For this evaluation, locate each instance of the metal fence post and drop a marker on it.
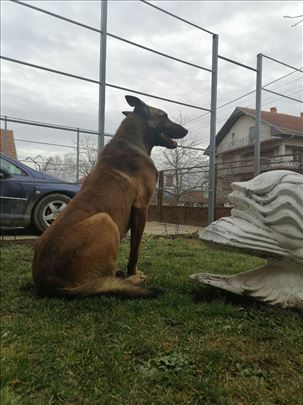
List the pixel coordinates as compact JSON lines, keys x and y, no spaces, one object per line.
{"x":5,"y":137}
{"x":160,"y":195}
{"x":102,"y":75}
{"x":212,"y":140}
{"x":258,"y":114}
{"x":78,"y":155}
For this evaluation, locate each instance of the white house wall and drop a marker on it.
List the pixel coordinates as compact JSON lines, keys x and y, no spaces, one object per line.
{"x":241,"y":131}
{"x":288,"y":146}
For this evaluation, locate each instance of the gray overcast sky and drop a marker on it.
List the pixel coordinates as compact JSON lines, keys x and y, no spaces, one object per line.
{"x":246,"y":28}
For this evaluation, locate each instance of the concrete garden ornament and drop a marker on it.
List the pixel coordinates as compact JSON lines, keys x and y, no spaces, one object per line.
{"x":267,"y":220}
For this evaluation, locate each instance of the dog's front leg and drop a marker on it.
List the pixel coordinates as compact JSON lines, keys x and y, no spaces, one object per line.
{"x":137,"y":224}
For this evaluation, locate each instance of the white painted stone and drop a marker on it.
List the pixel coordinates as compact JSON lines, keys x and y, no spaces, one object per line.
{"x":267,"y":219}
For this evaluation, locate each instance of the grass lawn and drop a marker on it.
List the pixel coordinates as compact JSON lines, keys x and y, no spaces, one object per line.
{"x":193,"y":345}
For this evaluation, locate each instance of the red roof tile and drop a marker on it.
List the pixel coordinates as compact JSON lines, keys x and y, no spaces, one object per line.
{"x":284,"y":122}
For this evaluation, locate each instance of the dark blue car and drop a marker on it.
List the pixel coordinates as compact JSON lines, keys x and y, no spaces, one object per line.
{"x":28,"y":197}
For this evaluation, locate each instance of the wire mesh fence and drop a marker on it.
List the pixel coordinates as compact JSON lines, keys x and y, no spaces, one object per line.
{"x":184,"y":186}
{"x":243,"y":170}
{"x":181,"y":196}
{"x":191,"y":187}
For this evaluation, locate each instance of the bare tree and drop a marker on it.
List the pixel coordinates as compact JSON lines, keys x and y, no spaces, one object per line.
{"x":184,"y":166}
{"x":88,"y":154}
{"x":40,"y":162}
{"x":63,"y":167}
{"x":295,"y":17}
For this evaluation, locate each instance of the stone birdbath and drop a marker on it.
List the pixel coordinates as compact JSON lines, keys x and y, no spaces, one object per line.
{"x":267,"y":220}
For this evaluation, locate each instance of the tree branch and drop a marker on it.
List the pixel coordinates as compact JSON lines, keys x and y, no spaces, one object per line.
{"x":294,"y":16}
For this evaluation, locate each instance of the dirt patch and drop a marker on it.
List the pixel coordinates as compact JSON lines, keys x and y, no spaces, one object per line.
{"x":163,"y":229}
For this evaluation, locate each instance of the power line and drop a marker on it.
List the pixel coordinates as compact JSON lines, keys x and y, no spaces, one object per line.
{"x":268,"y":102}
{"x":205,"y":138}
{"x":238,"y":98}
{"x":290,"y":89}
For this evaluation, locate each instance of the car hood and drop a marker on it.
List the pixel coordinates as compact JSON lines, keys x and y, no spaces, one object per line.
{"x":51,"y":179}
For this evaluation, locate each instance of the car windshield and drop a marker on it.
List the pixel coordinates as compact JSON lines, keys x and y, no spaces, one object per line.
{"x":10,"y":167}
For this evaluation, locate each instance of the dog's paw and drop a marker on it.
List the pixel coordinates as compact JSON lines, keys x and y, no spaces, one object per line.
{"x":138,"y":279}
{"x":140,"y":274}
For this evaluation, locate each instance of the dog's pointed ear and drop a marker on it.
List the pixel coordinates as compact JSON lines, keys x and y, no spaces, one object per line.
{"x":134,"y":101}
{"x":140,"y":107}
{"x":126,"y":113}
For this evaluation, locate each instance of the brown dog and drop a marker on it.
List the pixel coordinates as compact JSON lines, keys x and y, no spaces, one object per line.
{"x":77,"y":254}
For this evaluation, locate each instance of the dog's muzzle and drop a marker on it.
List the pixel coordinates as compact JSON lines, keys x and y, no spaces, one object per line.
{"x":164,"y":140}
{"x":174,"y":131}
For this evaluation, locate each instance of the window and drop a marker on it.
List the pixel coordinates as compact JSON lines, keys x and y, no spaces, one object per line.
{"x":298,"y":155}
{"x":233,"y":138}
{"x":10,"y":168}
{"x":251,"y":135}
{"x":169,"y":180}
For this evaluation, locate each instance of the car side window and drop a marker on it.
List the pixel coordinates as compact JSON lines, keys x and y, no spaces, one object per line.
{"x":11,"y":168}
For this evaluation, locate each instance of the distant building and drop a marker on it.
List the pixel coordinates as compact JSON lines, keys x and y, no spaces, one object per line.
{"x":7,"y":143}
{"x":281,"y":136}
{"x":193,"y":199}
{"x":281,"y":147}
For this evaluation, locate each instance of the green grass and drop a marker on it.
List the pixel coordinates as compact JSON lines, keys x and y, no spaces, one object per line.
{"x":194,"y":345}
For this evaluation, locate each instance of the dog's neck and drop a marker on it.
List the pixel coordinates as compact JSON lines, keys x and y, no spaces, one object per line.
{"x":136,"y":133}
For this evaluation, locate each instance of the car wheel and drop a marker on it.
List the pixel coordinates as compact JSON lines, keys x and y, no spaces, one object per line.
{"x":47,"y":210}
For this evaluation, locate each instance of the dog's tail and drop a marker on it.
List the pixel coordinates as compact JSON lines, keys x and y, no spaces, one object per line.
{"x":112,"y":286}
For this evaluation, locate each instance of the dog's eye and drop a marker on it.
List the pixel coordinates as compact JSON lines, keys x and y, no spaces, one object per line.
{"x":164,"y":115}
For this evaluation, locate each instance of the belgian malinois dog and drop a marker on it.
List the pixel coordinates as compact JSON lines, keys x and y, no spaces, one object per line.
{"x":77,"y":254}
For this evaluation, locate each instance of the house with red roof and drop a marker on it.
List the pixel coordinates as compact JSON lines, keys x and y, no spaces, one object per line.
{"x":281,"y":146}
{"x":281,"y":136}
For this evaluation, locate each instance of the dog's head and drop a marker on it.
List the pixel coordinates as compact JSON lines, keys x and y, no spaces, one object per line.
{"x":163,"y":130}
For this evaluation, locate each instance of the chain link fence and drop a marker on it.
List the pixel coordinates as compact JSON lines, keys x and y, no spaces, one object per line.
{"x":243,"y":170}
{"x":181,"y":196}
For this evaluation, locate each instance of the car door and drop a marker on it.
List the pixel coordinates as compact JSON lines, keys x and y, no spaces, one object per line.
{"x":17,"y":189}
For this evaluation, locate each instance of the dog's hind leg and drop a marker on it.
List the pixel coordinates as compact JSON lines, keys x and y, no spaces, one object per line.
{"x":95,"y":245}
{"x":137,"y":224}
{"x":102,"y":239}
{"x":85,"y":251}
{"x":113,"y":286}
